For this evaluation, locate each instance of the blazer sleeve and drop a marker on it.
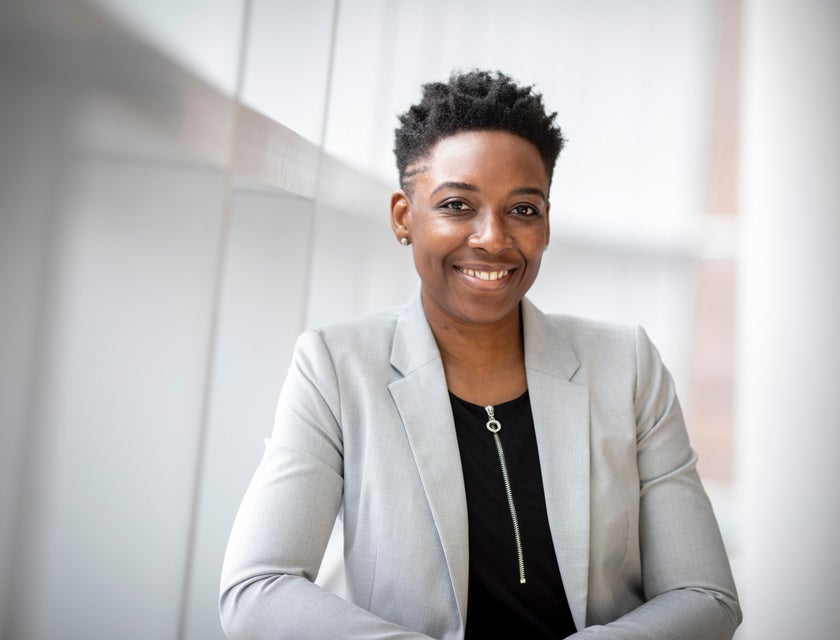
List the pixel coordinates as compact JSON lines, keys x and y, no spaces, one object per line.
{"x":286,"y":516}
{"x":688,"y":586}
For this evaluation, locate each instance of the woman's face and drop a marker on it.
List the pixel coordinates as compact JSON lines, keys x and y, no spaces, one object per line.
{"x":477,"y":219}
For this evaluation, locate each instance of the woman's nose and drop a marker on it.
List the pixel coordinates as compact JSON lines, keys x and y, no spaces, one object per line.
{"x":491,"y":233}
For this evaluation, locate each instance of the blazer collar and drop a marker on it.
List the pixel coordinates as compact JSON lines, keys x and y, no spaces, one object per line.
{"x":414,"y":344}
{"x":422,"y":400}
{"x":547,"y":348}
{"x":561,"y":421}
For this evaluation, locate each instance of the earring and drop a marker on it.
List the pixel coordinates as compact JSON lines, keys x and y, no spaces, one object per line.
{"x":404,"y":241}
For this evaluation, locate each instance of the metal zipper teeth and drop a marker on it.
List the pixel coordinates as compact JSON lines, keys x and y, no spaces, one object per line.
{"x":494,"y":426}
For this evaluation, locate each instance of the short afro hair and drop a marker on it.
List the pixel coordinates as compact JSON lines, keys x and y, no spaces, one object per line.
{"x":475,"y":101}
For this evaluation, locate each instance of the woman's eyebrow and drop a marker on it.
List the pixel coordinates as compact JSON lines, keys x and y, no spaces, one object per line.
{"x":529,"y":191}
{"x":464,"y":186}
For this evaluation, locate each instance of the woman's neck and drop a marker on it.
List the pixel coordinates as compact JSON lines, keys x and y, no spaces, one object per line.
{"x":484,"y":364}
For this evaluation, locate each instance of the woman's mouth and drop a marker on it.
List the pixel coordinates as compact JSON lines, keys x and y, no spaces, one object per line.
{"x":485,"y":275}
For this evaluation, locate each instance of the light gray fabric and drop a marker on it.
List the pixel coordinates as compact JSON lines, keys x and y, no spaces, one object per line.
{"x":364,"y":420}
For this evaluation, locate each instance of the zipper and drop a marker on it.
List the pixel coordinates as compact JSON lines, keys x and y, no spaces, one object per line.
{"x":494,"y":426}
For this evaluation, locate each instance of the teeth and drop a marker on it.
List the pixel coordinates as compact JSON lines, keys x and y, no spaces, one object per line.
{"x":486,"y":275}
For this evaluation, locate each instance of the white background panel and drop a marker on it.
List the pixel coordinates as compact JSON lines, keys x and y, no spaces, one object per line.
{"x":120,"y":400}
{"x":260,"y":316}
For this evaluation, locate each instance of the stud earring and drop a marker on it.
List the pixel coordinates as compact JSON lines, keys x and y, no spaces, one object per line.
{"x":404,"y":241}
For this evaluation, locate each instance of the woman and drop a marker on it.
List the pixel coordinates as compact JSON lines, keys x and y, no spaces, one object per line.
{"x":502,"y":473}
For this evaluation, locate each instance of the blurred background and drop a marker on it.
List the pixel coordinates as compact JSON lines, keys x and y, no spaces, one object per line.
{"x":186,"y":185}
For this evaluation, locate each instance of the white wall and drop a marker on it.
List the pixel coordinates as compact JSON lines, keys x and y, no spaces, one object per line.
{"x":789,"y":314}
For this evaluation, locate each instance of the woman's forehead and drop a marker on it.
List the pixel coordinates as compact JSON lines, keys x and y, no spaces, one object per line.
{"x":478,"y":157}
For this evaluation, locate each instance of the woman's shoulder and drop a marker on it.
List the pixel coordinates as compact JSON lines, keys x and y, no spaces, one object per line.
{"x":595,"y":345}
{"x":604,"y":348}
{"x":377,"y":322}
{"x":581,"y":328}
{"x":581,"y":333}
{"x":366,"y":336}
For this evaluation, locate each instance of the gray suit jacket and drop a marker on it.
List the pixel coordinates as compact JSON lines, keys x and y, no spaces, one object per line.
{"x":364,"y":422}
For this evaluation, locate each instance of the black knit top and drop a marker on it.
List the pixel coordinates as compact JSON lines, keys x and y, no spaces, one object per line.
{"x":499,"y":604}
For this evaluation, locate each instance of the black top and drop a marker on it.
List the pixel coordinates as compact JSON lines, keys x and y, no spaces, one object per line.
{"x":498,"y":604}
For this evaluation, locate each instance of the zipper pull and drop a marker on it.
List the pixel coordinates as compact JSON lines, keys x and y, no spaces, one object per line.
{"x":493,"y":425}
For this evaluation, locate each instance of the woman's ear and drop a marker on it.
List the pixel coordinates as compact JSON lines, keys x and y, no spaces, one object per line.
{"x":401,"y":216}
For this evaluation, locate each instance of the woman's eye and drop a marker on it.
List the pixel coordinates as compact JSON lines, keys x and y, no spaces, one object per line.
{"x":455,"y":205}
{"x":525,"y":210}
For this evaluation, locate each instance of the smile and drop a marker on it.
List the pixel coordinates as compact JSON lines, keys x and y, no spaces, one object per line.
{"x":486,"y":275}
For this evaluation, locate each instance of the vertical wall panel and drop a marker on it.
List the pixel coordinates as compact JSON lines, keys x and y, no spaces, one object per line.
{"x":120,"y":401}
{"x":359,"y":94}
{"x":27,"y":172}
{"x":285,"y":75}
{"x":788,"y":317}
{"x":260,"y":316}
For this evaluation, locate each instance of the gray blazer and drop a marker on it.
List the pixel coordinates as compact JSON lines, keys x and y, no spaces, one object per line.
{"x":364,"y":422}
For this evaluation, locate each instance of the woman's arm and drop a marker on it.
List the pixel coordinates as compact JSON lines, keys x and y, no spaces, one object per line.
{"x":688,"y":586}
{"x":285,"y":519}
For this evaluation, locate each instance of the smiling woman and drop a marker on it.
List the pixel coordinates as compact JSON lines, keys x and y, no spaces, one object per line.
{"x":478,"y":219}
{"x":499,"y":472}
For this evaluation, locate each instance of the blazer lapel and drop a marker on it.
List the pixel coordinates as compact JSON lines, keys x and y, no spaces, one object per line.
{"x":422,"y":399}
{"x":561,"y":421}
